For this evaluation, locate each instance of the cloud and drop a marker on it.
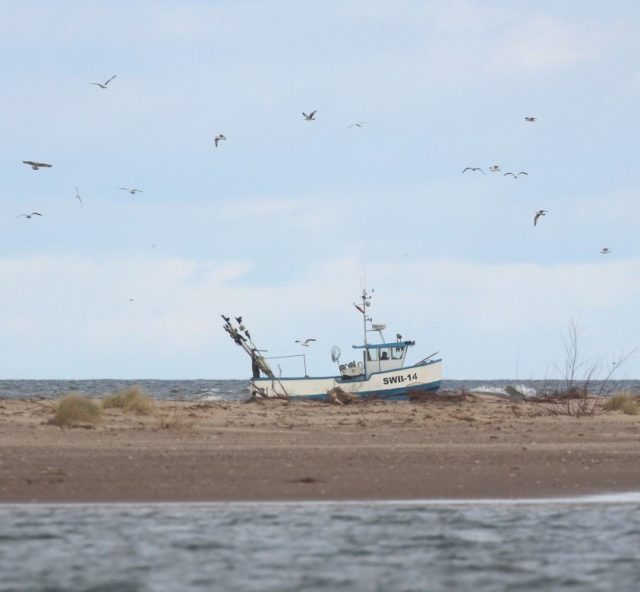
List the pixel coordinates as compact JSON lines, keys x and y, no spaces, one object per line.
{"x":543,"y":43}
{"x":76,"y":318}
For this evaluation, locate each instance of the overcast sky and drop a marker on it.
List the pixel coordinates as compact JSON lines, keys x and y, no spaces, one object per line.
{"x":284,"y":221}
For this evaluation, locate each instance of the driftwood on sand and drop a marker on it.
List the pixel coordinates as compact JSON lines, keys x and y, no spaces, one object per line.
{"x":338,"y":396}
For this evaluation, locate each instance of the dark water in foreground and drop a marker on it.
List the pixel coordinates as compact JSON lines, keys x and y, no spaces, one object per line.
{"x":234,"y":390}
{"x":588,"y":545}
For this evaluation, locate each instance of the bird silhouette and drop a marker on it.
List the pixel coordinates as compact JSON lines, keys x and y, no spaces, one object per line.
{"x":226,"y":319}
{"x":31,"y":215}
{"x":131,"y":191}
{"x":357,"y":124}
{"x":537,"y":215}
{"x":219,"y":138}
{"x":239,"y":319}
{"x":605,"y":251}
{"x":472,"y":169}
{"x":37,"y":165}
{"x":531,"y":119}
{"x":306,"y":342}
{"x":103,"y":85}
{"x":78,"y":197}
{"x":494,"y":168}
{"x":516,"y":175}
{"x":311,"y":116}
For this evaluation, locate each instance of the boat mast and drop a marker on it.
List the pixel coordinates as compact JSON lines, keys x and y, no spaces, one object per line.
{"x":366,"y":302}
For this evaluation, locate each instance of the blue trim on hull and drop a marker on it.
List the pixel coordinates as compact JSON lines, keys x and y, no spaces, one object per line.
{"x":396,"y":394}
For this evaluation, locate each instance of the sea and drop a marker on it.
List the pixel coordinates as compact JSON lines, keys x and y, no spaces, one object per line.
{"x":238,"y":390}
{"x":581,"y":544}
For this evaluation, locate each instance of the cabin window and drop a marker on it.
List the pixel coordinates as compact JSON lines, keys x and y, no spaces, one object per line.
{"x":384,"y":354}
{"x":372,"y":355}
{"x":397,"y":353}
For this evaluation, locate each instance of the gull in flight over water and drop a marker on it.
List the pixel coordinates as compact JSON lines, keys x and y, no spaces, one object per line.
{"x":31,"y":215}
{"x":531,"y":119}
{"x":605,"y":251}
{"x":219,"y":138}
{"x":131,"y":191}
{"x":103,"y":85}
{"x":537,"y":215}
{"x":78,"y":197}
{"x":357,"y":124}
{"x":516,"y":175}
{"x":306,"y":342}
{"x":494,"y":168}
{"x":311,"y":116}
{"x":472,"y":169}
{"x":37,"y":165}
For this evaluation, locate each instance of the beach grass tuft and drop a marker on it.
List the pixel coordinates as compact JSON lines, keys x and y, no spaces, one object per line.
{"x":622,"y":401}
{"x":76,"y":408}
{"x":175,"y":420}
{"x":131,"y":400}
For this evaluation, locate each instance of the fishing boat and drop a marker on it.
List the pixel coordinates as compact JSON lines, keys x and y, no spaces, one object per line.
{"x":379,"y":373}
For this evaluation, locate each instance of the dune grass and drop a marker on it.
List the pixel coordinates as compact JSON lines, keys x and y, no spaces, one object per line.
{"x":131,"y":400}
{"x":175,"y":419}
{"x":623,"y":401}
{"x":76,"y":408}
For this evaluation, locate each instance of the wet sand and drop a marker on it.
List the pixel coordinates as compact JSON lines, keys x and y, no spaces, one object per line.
{"x":482,"y":447}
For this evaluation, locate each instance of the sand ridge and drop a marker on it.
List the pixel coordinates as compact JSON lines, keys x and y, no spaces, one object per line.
{"x":479,"y":447}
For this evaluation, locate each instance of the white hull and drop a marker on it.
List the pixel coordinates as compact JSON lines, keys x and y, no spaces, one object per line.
{"x":398,"y":383}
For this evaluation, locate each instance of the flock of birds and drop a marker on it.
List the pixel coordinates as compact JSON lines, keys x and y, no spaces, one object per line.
{"x":496,"y":168}
{"x":311,"y":116}
{"x":36,"y":165}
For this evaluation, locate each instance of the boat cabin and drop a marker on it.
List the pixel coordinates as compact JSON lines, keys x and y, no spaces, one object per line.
{"x":379,"y":357}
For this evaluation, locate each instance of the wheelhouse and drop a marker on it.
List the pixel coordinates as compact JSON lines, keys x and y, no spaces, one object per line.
{"x":380,"y":357}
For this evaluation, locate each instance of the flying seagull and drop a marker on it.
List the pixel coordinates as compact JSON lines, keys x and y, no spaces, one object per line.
{"x":531,"y":119}
{"x":31,"y":215}
{"x":516,"y":175}
{"x":103,"y":85}
{"x":219,"y":138}
{"x":78,"y":197}
{"x":605,"y":251}
{"x":311,"y":116}
{"x":472,"y":169}
{"x":537,"y":215}
{"x":36,"y":165}
{"x":357,"y":124}
{"x":306,"y":342}
{"x":132,"y":191}
{"x":494,"y":168}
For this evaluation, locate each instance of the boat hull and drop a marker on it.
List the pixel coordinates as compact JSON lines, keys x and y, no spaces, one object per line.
{"x":396,"y":384}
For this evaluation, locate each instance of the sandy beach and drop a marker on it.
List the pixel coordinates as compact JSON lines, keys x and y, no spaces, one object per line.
{"x":482,"y":447}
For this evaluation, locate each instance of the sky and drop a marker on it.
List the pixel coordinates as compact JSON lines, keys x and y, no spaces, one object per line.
{"x":286,"y":220}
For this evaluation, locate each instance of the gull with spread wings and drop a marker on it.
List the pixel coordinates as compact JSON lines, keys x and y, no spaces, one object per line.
{"x":537,"y":216}
{"x":37,"y":165}
{"x":103,"y":85}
